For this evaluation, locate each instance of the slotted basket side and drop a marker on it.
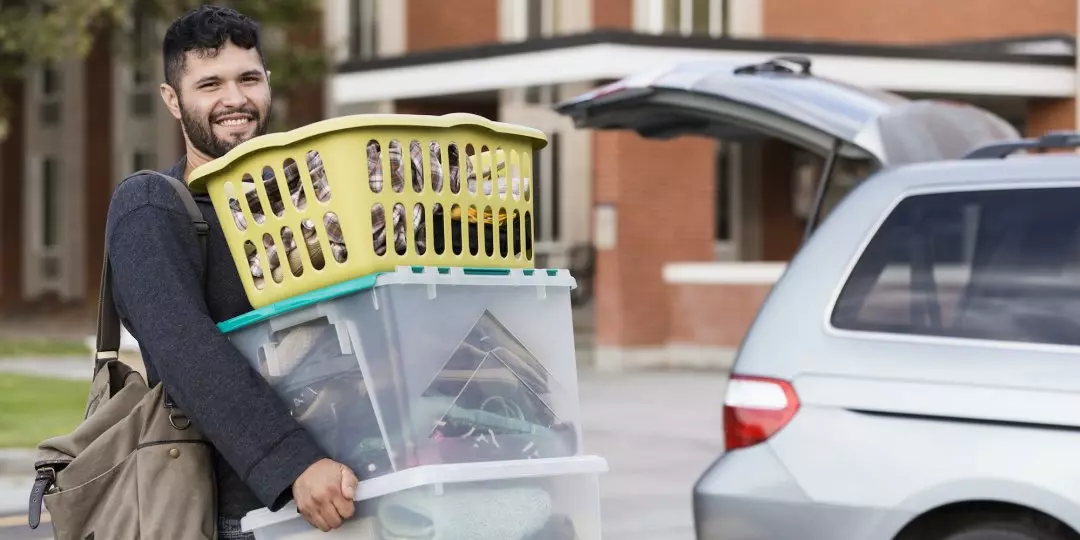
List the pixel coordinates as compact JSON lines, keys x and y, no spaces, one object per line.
{"x":344,"y":195}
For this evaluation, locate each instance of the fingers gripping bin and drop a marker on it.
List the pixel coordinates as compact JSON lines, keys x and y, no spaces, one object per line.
{"x":544,"y":499}
{"x":425,"y":366}
{"x":312,"y":207}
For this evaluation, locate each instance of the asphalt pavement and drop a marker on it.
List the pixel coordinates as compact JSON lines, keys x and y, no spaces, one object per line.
{"x":658,"y":431}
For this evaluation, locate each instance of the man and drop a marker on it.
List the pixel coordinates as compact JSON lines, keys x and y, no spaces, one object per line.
{"x":216,"y":85}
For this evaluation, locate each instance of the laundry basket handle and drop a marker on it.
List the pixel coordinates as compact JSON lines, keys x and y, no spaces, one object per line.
{"x":108,"y":323}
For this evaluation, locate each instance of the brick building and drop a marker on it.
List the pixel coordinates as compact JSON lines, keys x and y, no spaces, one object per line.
{"x":82,"y":125}
{"x":678,"y":292}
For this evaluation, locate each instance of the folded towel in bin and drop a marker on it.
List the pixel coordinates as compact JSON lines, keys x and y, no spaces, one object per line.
{"x":331,"y":225}
{"x":470,"y":514}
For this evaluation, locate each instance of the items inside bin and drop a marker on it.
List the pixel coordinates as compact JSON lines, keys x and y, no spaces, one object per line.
{"x":501,"y":511}
{"x":492,"y":400}
{"x":325,"y":391}
{"x":496,"y":222}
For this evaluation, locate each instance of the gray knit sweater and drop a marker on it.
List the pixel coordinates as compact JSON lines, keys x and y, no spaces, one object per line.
{"x":157,"y":265}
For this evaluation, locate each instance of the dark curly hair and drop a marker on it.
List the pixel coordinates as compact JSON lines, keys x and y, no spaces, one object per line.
{"x":205,"y":30}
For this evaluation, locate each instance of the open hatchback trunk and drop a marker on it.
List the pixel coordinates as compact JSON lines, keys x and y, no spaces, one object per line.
{"x":781,"y":98}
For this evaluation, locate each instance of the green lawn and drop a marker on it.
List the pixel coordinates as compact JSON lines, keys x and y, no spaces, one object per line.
{"x":35,"y":408}
{"x":41,"y":347}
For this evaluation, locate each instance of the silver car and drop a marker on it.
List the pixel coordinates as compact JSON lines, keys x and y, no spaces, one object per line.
{"x":915,"y":374}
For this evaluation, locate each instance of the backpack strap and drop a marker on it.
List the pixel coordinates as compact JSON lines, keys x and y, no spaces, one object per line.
{"x":108,"y":323}
{"x":108,"y":341}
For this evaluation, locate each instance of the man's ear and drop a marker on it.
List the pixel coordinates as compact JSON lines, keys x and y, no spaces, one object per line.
{"x":171,"y":99}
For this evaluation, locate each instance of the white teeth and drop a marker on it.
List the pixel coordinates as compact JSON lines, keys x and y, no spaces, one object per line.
{"x":234,"y":122}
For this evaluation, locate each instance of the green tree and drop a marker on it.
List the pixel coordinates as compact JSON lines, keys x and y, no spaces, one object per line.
{"x":33,"y":32}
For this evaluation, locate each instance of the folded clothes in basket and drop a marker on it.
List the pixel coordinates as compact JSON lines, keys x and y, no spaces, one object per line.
{"x":331,"y":226}
{"x":512,"y":513}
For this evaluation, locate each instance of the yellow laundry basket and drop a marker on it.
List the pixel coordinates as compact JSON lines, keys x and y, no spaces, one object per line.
{"x":350,"y":196}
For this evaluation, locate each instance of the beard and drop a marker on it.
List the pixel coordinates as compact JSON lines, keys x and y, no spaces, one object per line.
{"x":201,"y":130}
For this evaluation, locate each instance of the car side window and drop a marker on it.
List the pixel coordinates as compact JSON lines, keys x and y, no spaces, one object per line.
{"x":998,"y":265}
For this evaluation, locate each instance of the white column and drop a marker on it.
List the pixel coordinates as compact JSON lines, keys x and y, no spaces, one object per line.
{"x":649,"y":16}
{"x":575,"y":16}
{"x":392,"y":27}
{"x":747,"y":18}
{"x":513,"y":20}
{"x":336,"y":41}
{"x":336,"y":29}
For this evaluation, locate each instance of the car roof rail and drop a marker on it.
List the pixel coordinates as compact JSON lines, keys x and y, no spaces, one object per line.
{"x":1053,"y":139}
{"x":798,"y":65}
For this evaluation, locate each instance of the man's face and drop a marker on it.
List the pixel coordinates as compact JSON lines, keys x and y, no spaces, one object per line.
{"x":223,"y":99}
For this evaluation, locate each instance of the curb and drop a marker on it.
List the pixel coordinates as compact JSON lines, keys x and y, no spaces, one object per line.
{"x":15,"y":497}
{"x":61,"y":367}
{"x":17,"y":462}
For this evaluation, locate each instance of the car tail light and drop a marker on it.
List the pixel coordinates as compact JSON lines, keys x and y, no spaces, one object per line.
{"x":755,"y":408}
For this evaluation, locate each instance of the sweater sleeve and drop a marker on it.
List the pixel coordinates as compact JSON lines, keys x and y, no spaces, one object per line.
{"x":157,"y":289}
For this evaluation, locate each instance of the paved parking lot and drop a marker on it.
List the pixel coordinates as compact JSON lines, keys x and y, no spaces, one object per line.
{"x":657,"y":430}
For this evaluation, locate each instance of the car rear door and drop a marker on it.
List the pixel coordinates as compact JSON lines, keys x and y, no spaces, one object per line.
{"x":781,"y":98}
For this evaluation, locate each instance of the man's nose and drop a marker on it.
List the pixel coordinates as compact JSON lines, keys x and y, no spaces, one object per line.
{"x":233,"y":96}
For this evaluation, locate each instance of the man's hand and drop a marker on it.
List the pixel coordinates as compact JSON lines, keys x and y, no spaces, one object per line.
{"x":324,"y":494}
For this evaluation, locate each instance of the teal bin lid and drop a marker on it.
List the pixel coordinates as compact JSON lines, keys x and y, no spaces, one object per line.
{"x":344,"y":288}
{"x":298,"y":302}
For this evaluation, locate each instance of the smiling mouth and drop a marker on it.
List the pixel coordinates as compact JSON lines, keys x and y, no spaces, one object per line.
{"x":234,"y":121}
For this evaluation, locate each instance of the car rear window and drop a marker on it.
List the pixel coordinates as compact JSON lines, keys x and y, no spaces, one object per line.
{"x":999,"y":265}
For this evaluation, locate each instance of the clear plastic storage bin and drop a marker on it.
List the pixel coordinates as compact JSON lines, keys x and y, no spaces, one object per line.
{"x":543,"y":499}
{"x":425,"y":366}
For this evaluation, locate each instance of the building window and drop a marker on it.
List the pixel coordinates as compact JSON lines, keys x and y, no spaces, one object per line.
{"x":50,"y":198}
{"x":846,"y":174}
{"x":140,"y":75}
{"x":994,"y":265}
{"x":541,"y":20}
{"x":695,"y":17}
{"x":50,"y":80}
{"x":540,"y":95}
{"x":723,"y":194}
{"x":142,"y":91}
{"x":142,"y":34}
{"x":51,"y":94}
{"x":141,"y":104}
{"x":546,"y":192}
{"x":363,"y":30}
{"x":143,"y":160}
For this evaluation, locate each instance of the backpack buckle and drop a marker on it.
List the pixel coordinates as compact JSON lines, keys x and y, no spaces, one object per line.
{"x":46,"y":478}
